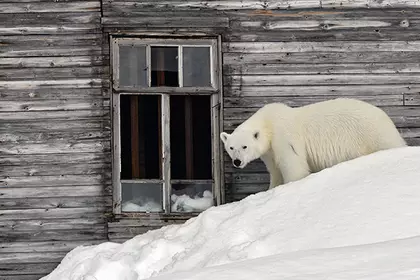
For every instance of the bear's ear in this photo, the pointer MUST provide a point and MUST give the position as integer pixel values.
(256, 135)
(224, 136)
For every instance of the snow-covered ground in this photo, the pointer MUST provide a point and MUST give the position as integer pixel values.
(357, 220)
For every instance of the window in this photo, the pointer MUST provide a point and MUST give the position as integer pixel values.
(166, 96)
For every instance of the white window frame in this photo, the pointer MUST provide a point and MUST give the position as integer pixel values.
(214, 91)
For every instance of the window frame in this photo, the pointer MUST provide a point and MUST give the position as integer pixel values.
(172, 42)
(215, 93)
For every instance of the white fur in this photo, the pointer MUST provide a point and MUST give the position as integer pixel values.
(294, 142)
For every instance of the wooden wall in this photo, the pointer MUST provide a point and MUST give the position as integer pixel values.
(54, 133)
(55, 190)
(297, 52)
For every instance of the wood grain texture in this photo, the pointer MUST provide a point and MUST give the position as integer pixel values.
(55, 111)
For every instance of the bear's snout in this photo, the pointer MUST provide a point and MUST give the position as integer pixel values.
(237, 163)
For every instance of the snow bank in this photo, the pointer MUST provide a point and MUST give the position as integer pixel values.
(371, 199)
(391, 260)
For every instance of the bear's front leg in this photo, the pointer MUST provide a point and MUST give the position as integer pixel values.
(292, 166)
(276, 177)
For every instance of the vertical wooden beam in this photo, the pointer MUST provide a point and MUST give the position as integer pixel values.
(116, 154)
(217, 122)
(160, 136)
(116, 137)
(142, 138)
(166, 155)
(189, 149)
(134, 112)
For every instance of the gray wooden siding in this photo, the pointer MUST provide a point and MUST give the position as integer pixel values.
(297, 52)
(54, 133)
(55, 160)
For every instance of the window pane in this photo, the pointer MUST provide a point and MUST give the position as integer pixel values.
(141, 197)
(140, 137)
(133, 67)
(190, 130)
(191, 197)
(196, 66)
(164, 66)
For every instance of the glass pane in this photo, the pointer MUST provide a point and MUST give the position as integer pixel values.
(191, 197)
(190, 130)
(140, 137)
(164, 66)
(133, 67)
(196, 66)
(142, 197)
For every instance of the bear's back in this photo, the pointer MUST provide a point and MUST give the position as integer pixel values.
(342, 129)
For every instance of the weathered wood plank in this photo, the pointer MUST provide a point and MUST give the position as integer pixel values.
(129, 232)
(333, 79)
(47, 7)
(54, 73)
(379, 34)
(331, 68)
(32, 257)
(49, 225)
(93, 233)
(411, 99)
(248, 178)
(40, 137)
(57, 180)
(53, 169)
(56, 147)
(60, 213)
(52, 93)
(64, 83)
(43, 30)
(43, 246)
(261, 4)
(24, 271)
(258, 102)
(62, 61)
(273, 24)
(45, 19)
(47, 159)
(61, 202)
(319, 90)
(143, 222)
(53, 105)
(121, 8)
(322, 57)
(313, 14)
(369, 4)
(335, 46)
(88, 117)
(24, 277)
(167, 22)
(55, 191)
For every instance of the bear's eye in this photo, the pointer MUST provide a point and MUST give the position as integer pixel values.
(231, 148)
(244, 147)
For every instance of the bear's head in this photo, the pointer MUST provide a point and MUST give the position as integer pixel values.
(244, 146)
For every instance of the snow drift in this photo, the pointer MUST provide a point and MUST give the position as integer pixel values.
(368, 200)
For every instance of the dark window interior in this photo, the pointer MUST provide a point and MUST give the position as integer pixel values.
(141, 137)
(164, 63)
(190, 130)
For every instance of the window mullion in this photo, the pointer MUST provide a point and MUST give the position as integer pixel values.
(149, 65)
(166, 153)
(180, 67)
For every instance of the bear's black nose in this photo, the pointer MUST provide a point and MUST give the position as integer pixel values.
(237, 163)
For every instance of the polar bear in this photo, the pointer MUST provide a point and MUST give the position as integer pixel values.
(294, 142)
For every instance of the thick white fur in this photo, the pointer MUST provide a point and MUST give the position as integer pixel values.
(294, 142)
